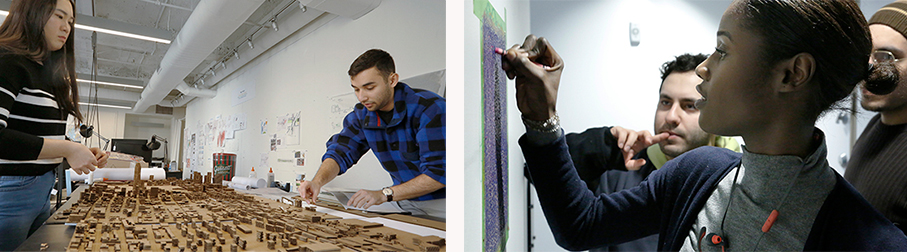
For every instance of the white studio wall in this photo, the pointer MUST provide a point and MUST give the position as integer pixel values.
(110, 124)
(305, 75)
(516, 15)
(144, 126)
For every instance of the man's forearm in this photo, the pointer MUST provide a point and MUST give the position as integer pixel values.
(326, 172)
(418, 186)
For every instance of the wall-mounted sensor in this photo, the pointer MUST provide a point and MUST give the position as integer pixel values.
(634, 34)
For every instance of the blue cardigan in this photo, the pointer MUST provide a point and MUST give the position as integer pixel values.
(669, 200)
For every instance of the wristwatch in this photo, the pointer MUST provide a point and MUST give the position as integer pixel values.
(389, 193)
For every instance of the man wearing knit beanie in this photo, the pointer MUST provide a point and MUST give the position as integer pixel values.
(878, 169)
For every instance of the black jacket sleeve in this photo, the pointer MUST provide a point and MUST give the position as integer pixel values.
(594, 151)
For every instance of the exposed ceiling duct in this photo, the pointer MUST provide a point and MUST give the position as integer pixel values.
(208, 26)
(347, 8)
(194, 91)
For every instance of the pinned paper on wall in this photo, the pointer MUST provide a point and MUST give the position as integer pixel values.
(229, 134)
(243, 94)
(342, 105)
(288, 129)
(191, 146)
(264, 126)
(209, 133)
(264, 160)
(239, 121)
(221, 137)
(300, 158)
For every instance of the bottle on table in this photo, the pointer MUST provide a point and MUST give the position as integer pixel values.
(271, 177)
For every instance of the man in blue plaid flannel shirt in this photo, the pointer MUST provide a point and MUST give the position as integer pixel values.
(404, 127)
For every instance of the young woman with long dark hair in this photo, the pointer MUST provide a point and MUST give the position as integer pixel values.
(38, 92)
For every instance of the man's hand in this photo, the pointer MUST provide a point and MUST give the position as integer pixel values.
(100, 156)
(632, 142)
(366, 198)
(309, 191)
(536, 85)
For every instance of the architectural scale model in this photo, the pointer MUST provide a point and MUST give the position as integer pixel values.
(198, 215)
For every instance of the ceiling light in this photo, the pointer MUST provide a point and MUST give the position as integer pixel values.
(274, 24)
(223, 65)
(110, 84)
(104, 105)
(301, 6)
(116, 28)
(249, 42)
(236, 54)
(124, 34)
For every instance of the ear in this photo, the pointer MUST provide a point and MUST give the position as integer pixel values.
(797, 71)
(392, 79)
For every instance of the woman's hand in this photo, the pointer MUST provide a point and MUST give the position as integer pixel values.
(537, 69)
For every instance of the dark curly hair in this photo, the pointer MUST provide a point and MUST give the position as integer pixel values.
(681, 64)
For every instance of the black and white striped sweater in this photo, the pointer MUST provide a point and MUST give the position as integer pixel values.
(28, 113)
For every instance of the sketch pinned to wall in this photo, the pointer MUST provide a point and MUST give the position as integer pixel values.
(239, 121)
(209, 132)
(341, 105)
(192, 148)
(221, 138)
(264, 160)
(300, 157)
(288, 129)
(494, 127)
(200, 158)
(274, 142)
(264, 126)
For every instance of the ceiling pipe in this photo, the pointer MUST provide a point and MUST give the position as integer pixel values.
(206, 28)
(352, 9)
(178, 102)
(198, 92)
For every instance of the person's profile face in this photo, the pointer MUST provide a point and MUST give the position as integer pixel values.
(677, 115)
(59, 25)
(373, 90)
(735, 86)
(885, 38)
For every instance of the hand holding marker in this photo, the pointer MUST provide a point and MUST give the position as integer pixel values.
(500, 51)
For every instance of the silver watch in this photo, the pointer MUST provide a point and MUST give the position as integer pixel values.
(389, 193)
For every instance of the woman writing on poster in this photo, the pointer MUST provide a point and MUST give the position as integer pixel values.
(776, 67)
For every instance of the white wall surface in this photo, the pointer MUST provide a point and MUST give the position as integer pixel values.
(111, 123)
(138, 126)
(516, 14)
(304, 71)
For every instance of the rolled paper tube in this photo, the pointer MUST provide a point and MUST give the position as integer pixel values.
(253, 182)
(120, 174)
